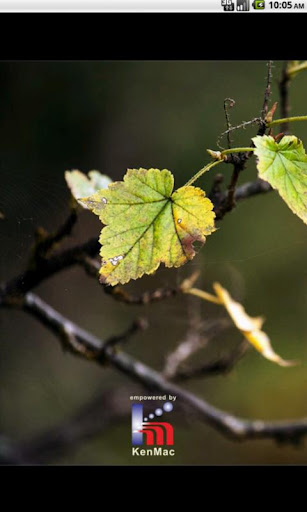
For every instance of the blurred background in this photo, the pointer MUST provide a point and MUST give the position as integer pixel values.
(112, 116)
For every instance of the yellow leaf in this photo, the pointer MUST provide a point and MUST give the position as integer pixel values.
(249, 326)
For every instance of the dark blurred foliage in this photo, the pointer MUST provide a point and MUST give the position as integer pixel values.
(114, 115)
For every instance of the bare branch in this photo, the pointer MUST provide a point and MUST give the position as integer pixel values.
(267, 94)
(252, 188)
(231, 103)
(243, 125)
(284, 96)
(197, 337)
(220, 366)
(227, 424)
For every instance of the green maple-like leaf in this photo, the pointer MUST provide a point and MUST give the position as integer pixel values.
(146, 224)
(82, 185)
(284, 166)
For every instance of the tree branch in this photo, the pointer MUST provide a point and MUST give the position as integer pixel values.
(284, 96)
(267, 94)
(227, 424)
(228, 202)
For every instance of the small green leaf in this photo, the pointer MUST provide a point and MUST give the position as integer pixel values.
(146, 224)
(82, 185)
(284, 166)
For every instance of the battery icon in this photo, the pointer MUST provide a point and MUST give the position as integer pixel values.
(258, 4)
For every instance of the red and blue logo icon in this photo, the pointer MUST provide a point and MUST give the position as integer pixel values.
(148, 432)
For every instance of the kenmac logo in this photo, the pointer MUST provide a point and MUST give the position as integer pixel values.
(152, 433)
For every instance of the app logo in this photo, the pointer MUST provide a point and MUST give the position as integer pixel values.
(148, 432)
(242, 5)
(258, 4)
(228, 5)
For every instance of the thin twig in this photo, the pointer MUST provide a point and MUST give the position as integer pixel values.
(147, 297)
(231, 103)
(239, 161)
(227, 202)
(120, 294)
(284, 97)
(243, 125)
(267, 94)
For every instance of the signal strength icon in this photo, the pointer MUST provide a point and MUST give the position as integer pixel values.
(242, 5)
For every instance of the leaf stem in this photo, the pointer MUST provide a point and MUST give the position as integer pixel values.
(287, 120)
(236, 150)
(202, 171)
(219, 160)
(204, 295)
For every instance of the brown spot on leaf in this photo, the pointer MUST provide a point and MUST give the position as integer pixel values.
(103, 279)
(188, 241)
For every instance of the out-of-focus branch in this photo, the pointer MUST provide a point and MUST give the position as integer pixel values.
(220, 366)
(197, 337)
(13, 291)
(96, 417)
(46, 242)
(251, 189)
(227, 424)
